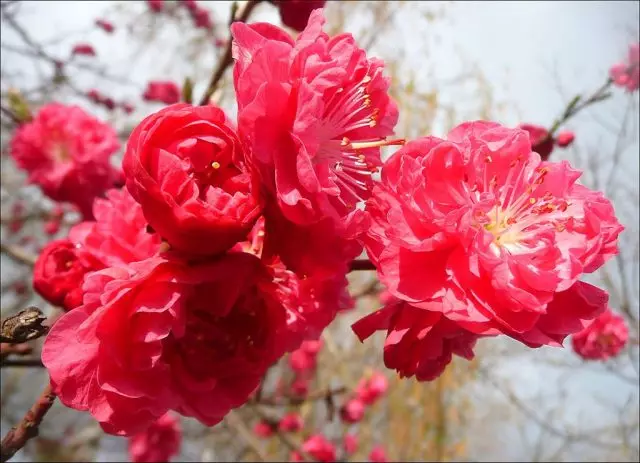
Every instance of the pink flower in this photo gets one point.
(304, 358)
(477, 231)
(541, 141)
(319, 448)
(565, 138)
(372, 387)
(67, 153)
(291, 422)
(148, 339)
(83, 49)
(59, 272)
(119, 234)
(604, 338)
(627, 74)
(201, 18)
(51, 227)
(295, 13)
(105, 25)
(315, 112)
(378, 455)
(155, 5)
(263, 429)
(300, 386)
(158, 443)
(350, 444)
(352, 411)
(179, 167)
(163, 91)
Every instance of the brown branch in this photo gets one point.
(18, 254)
(26, 363)
(317, 395)
(234, 421)
(284, 437)
(24, 326)
(7, 349)
(361, 264)
(18, 436)
(227, 59)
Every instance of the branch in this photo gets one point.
(18, 254)
(234, 421)
(24, 326)
(361, 264)
(18, 436)
(26, 363)
(317, 395)
(284, 438)
(7, 349)
(227, 58)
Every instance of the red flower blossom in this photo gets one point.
(51, 227)
(201, 18)
(158, 443)
(378, 455)
(179, 167)
(263, 429)
(352, 411)
(319, 448)
(627, 74)
(477, 230)
(155, 5)
(291, 422)
(163, 91)
(59, 272)
(67, 153)
(604, 338)
(300, 386)
(83, 49)
(119, 234)
(148, 340)
(565, 138)
(315, 112)
(295, 13)
(372, 387)
(303, 359)
(541, 141)
(350, 444)
(105, 25)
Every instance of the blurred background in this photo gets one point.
(511, 62)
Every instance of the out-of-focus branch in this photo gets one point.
(234, 421)
(18, 254)
(317, 395)
(284, 437)
(7, 349)
(240, 15)
(24, 326)
(26, 363)
(361, 264)
(18, 436)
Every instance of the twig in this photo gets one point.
(361, 264)
(234, 421)
(26, 363)
(227, 59)
(18, 436)
(284, 438)
(317, 395)
(7, 349)
(24, 326)
(18, 254)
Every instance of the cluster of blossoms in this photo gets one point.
(627, 74)
(68, 154)
(230, 243)
(604, 338)
(163, 91)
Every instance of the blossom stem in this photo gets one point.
(18, 254)
(284, 438)
(317, 395)
(577, 104)
(18, 436)
(361, 264)
(242, 15)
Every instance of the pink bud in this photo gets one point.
(263, 429)
(57, 211)
(565, 138)
(20, 287)
(155, 5)
(300, 387)
(291, 422)
(52, 227)
(15, 225)
(127, 108)
(350, 444)
(352, 411)
(94, 95)
(109, 103)
(378, 455)
(83, 49)
(105, 25)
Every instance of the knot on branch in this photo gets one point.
(24, 326)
